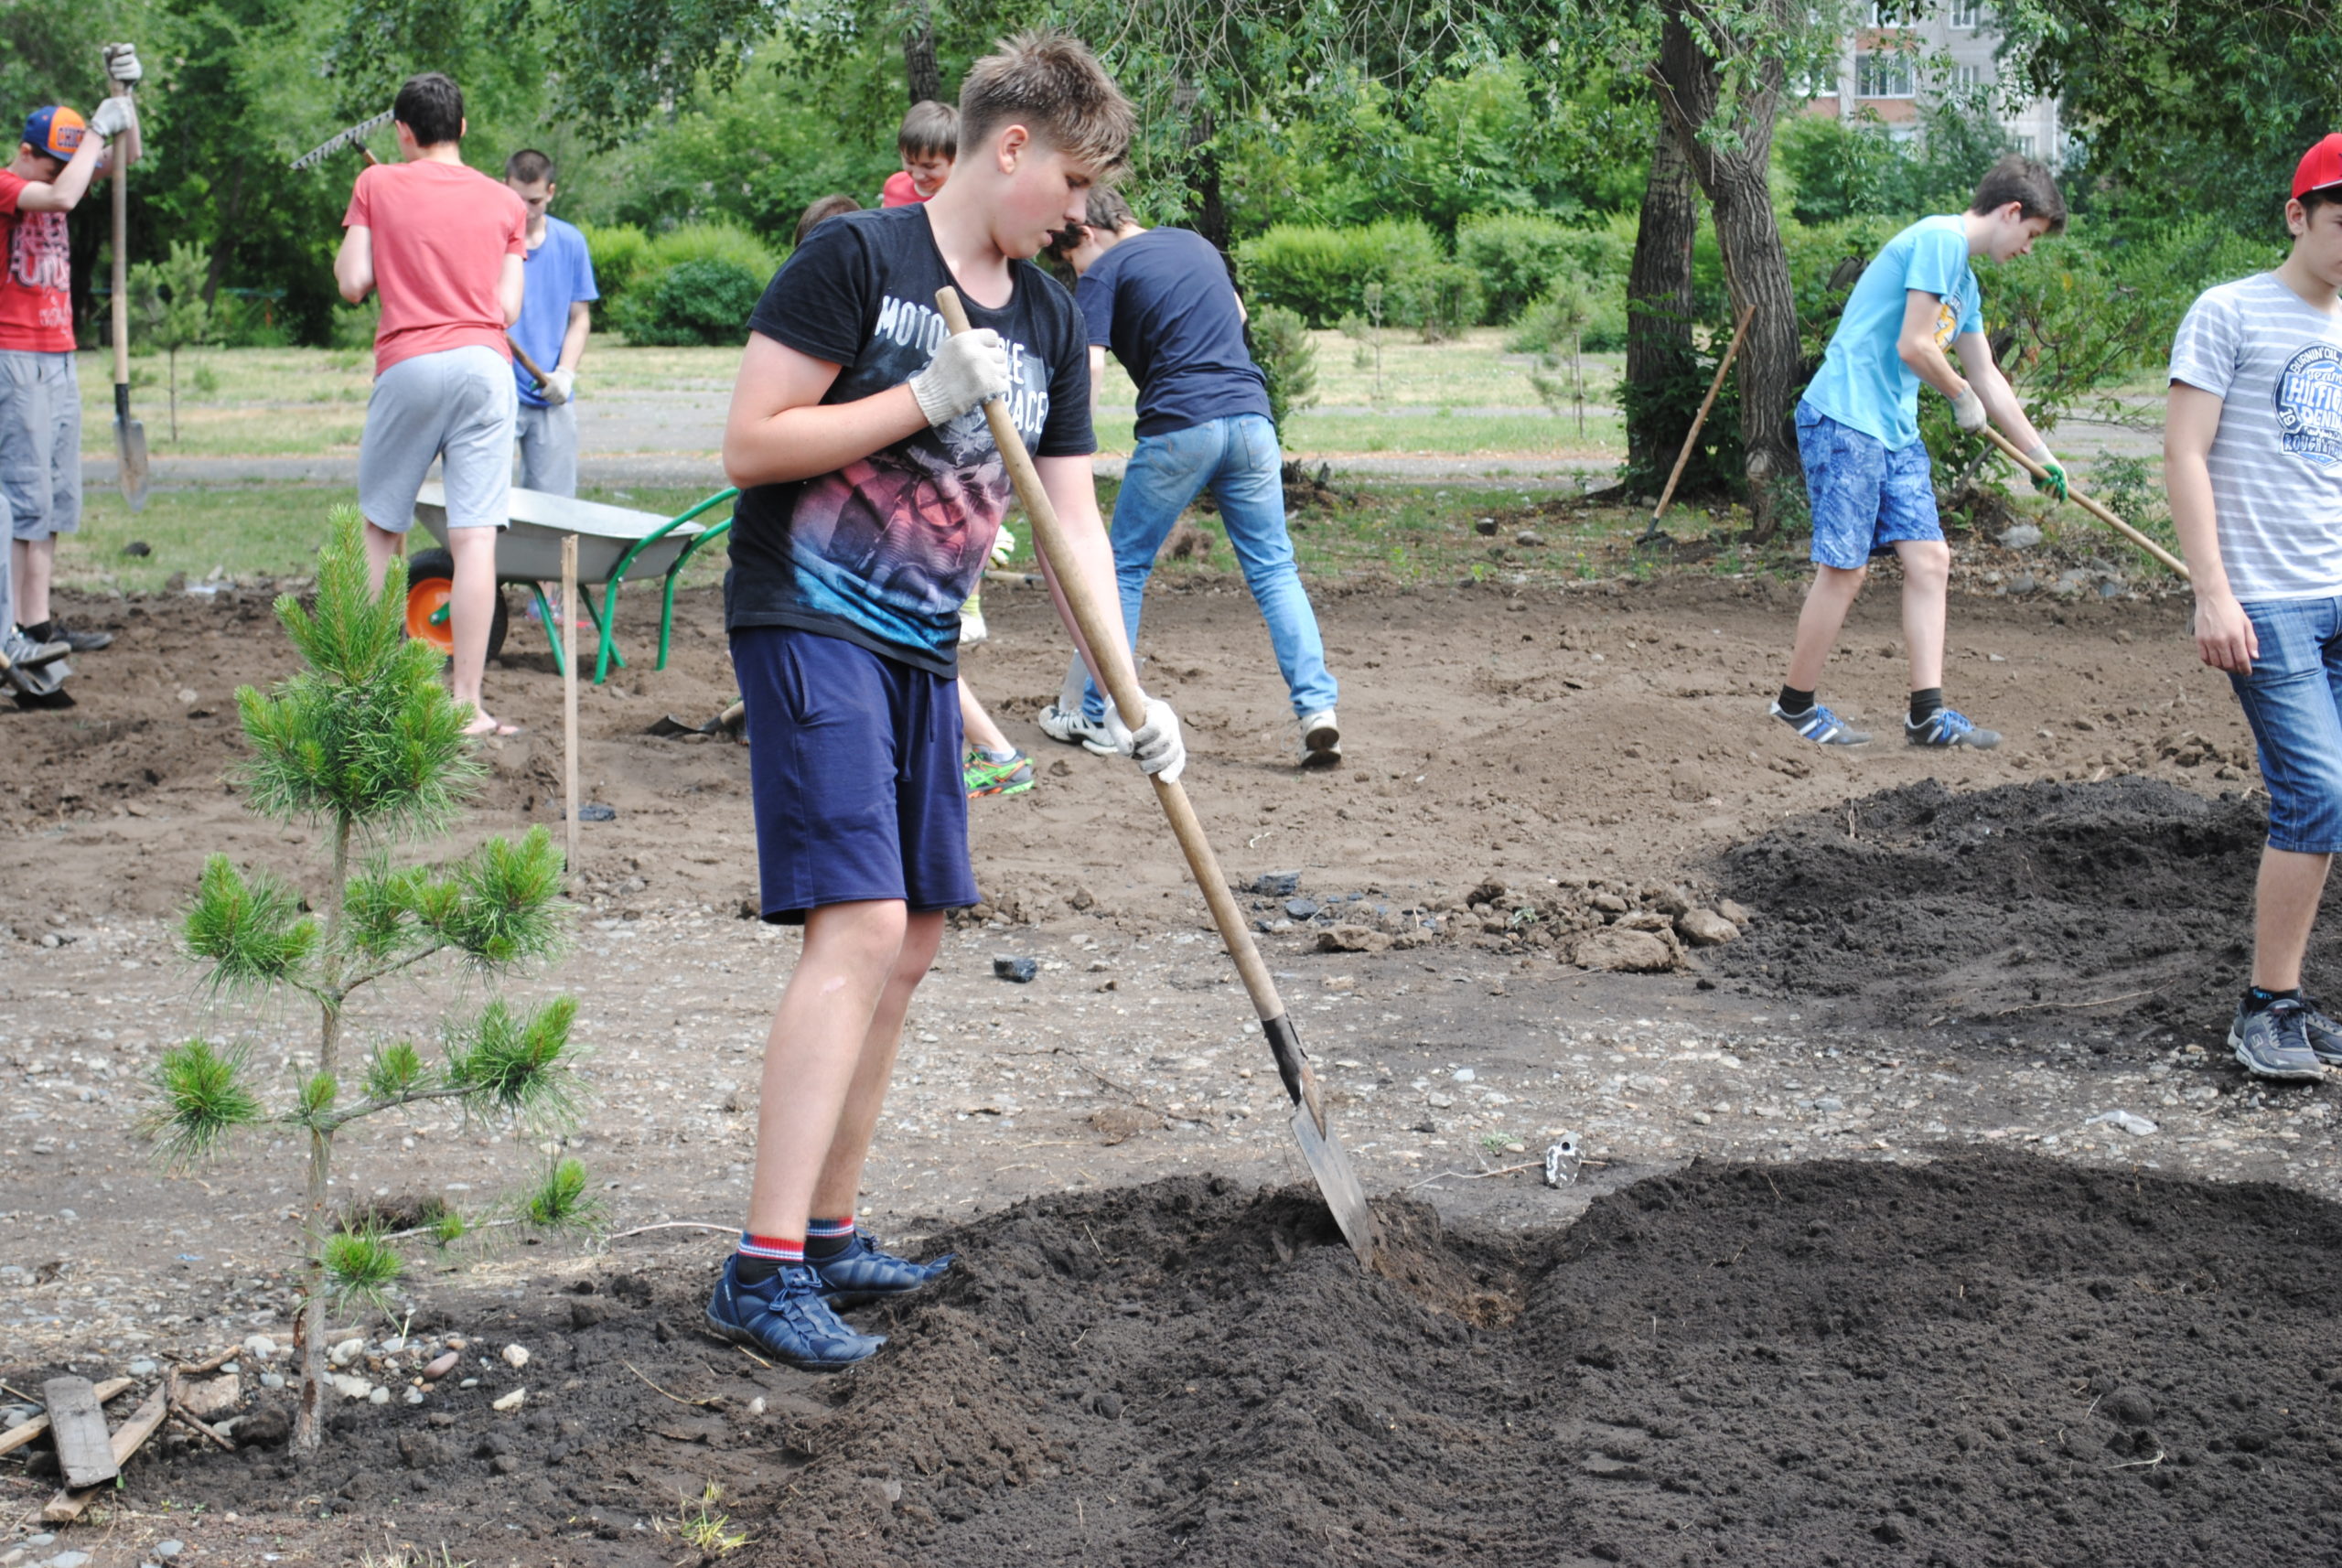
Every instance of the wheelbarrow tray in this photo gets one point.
(529, 550)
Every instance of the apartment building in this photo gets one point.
(1889, 69)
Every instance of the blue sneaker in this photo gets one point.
(865, 1272)
(1821, 727)
(1947, 728)
(2274, 1042)
(788, 1318)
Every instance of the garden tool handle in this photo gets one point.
(2009, 450)
(120, 303)
(1110, 657)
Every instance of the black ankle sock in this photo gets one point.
(42, 632)
(828, 1238)
(2259, 1000)
(1926, 704)
(1794, 701)
(750, 1269)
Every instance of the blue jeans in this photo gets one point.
(2293, 701)
(1238, 458)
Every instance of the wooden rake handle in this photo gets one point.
(2008, 450)
(1110, 659)
(1699, 420)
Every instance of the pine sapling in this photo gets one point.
(364, 741)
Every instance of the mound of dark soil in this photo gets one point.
(1919, 903)
(1988, 1361)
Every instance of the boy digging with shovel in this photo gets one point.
(870, 494)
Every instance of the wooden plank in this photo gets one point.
(15, 1438)
(67, 1505)
(77, 1427)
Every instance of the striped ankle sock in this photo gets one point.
(761, 1257)
(828, 1238)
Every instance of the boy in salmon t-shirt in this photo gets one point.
(444, 245)
(929, 142)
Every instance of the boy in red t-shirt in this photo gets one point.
(40, 397)
(929, 143)
(443, 245)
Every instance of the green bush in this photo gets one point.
(726, 242)
(621, 255)
(1516, 256)
(1442, 298)
(1322, 273)
(1282, 347)
(702, 303)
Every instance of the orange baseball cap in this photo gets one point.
(55, 131)
(2320, 166)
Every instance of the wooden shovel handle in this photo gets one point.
(121, 301)
(2008, 449)
(1109, 659)
(1691, 436)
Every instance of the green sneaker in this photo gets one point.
(982, 775)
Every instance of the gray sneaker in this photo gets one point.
(26, 654)
(2324, 1035)
(2274, 1042)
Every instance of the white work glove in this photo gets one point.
(121, 64)
(1968, 409)
(1004, 548)
(561, 385)
(966, 371)
(113, 117)
(1157, 745)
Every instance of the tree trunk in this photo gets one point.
(921, 75)
(1659, 305)
(309, 1414)
(1732, 171)
(1206, 208)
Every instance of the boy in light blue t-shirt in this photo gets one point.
(1866, 470)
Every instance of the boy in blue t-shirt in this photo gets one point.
(556, 320)
(871, 492)
(1866, 470)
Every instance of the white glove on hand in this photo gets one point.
(113, 117)
(1157, 745)
(966, 371)
(1004, 548)
(1968, 409)
(561, 385)
(121, 64)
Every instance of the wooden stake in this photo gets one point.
(77, 1427)
(1691, 436)
(569, 705)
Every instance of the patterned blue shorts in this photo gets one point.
(1865, 498)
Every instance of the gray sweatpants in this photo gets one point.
(546, 440)
(455, 406)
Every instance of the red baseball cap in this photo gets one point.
(56, 132)
(2320, 166)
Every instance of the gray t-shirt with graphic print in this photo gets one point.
(2276, 463)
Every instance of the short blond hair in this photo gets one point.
(1050, 83)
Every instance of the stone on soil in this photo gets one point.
(1622, 951)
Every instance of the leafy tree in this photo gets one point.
(365, 740)
(1288, 360)
(167, 299)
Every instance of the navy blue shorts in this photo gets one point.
(854, 763)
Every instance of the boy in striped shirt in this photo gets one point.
(2252, 459)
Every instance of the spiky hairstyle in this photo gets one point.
(1050, 83)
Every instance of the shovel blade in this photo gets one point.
(130, 453)
(1331, 1167)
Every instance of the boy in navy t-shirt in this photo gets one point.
(1160, 300)
(871, 493)
(1867, 471)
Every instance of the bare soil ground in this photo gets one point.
(1533, 780)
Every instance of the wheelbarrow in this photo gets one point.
(613, 544)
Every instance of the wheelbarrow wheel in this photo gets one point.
(430, 582)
